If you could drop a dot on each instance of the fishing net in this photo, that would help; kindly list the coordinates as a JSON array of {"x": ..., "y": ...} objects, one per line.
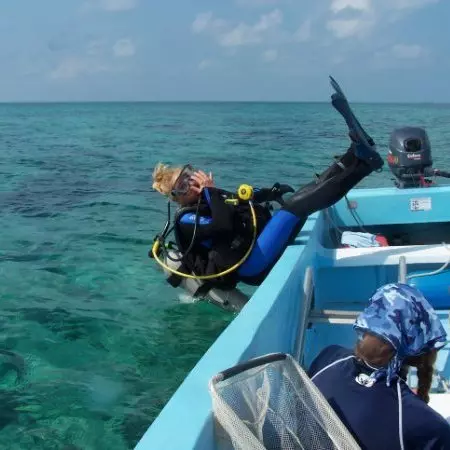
[{"x": 270, "y": 403}]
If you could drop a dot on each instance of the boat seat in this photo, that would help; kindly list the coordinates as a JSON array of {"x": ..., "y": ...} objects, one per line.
[
  {"x": 318, "y": 321},
  {"x": 381, "y": 256},
  {"x": 441, "y": 404},
  {"x": 435, "y": 288},
  {"x": 332, "y": 316}
]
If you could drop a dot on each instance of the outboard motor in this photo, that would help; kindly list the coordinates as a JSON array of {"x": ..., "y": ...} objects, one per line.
[{"x": 409, "y": 156}]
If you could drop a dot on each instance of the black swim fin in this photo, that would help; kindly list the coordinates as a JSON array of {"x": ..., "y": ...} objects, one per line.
[{"x": 365, "y": 147}]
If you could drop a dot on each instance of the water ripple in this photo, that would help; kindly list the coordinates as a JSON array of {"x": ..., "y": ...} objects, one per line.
[{"x": 104, "y": 340}]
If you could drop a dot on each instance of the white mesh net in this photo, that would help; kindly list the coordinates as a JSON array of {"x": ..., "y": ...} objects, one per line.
[{"x": 274, "y": 406}]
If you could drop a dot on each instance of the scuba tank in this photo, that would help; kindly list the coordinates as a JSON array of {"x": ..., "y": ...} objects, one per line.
[{"x": 230, "y": 300}]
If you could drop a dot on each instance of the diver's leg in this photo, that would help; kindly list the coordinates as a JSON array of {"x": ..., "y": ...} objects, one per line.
[
  {"x": 329, "y": 187},
  {"x": 345, "y": 160},
  {"x": 279, "y": 232}
]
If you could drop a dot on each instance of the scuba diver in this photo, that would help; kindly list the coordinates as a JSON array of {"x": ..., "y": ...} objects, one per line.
[{"x": 224, "y": 238}]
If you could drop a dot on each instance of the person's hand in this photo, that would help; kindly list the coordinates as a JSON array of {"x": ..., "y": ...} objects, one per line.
[
  {"x": 200, "y": 180},
  {"x": 279, "y": 190}
]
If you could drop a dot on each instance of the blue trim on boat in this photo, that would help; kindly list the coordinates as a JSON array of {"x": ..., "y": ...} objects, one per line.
[{"x": 256, "y": 330}]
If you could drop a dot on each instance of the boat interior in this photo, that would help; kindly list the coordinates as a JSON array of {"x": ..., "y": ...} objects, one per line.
[
  {"x": 322, "y": 327},
  {"x": 312, "y": 296},
  {"x": 338, "y": 287}
]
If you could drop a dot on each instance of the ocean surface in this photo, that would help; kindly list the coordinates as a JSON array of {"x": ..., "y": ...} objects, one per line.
[{"x": 92, "y": 340}]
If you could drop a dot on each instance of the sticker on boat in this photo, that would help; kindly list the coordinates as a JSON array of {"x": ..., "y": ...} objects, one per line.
[{"x": 420, "y": 204}]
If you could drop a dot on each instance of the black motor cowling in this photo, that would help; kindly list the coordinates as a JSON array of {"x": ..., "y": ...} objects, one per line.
[{"x": 409, "y": 155}]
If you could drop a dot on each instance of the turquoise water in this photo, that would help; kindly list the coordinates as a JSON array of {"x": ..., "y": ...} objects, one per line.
[{"x": 98, "y": 339}]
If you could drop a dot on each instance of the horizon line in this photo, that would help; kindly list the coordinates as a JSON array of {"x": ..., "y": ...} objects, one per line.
[{"x": 56, "y": 102}]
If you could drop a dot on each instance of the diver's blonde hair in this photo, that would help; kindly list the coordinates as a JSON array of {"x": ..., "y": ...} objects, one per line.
[{"x": 163, "y": 176}]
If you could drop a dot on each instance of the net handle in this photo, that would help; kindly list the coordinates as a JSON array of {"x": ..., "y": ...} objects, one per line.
[{"x": 251, "y": 364}]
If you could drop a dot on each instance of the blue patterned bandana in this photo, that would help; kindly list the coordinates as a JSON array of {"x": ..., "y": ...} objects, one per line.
[{"x": 401, "y": 315}]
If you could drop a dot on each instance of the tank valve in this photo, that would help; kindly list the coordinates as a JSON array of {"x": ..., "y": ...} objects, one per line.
[{"x": 245, "y": 192}]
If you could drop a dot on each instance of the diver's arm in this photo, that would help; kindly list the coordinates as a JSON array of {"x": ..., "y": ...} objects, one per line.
[
  {"x": 219, "y": 221},
  {"x": 186, "y": 225},
  {"x": 274, "y": 193},
  {"x": 221, "y": 213}
]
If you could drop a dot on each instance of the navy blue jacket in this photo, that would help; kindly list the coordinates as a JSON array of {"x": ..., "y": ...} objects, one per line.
[{"x": 371, "y": 414}]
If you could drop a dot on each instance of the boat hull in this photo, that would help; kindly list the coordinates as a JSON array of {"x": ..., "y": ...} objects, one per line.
[{"x": 287, "y": 314}]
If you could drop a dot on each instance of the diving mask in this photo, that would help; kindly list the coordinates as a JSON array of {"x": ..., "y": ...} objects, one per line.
[{"x": 183, "y": 182}]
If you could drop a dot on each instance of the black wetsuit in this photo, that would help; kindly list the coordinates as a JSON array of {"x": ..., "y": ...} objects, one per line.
[
  {"x": 223, "y": 234},
  {"x": 224, "y": 231}
]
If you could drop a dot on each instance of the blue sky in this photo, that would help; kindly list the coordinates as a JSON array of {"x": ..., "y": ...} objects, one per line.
[{"x": 78, "y": 50}]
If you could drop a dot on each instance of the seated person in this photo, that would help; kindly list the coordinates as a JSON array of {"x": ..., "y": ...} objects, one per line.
[
  {"x": 366, "y": 387},
  {"x": 220, "y": 234}
]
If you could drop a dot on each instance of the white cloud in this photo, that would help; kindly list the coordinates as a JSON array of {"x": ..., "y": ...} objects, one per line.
[
  {"x": 110, "y": 5},
  {"x": 204, "y": 64},
  {"x": 118, "y": 5},
  {"x": 411, "y": 4},
  {"x": 202, "y": 22},
  {"x": 241, "y": 34},
  {"x": 404, "y": 51},
  {"x": 96, "y": 59},
  {"x": 361, "y": 22},
  {"x": 96, "y": 47},
  {"x": 401, "y": 55},
  {"x": 367, "y": 14},
  {"x": 270, "y": 55},
  {"x": 345, "y": 28},
  {"x": 257, "y": 3},
  {"x": 303, "y": 34},
  {"x": 267, "y": 30},
  {"x": 73, "y": 67},
  {"x": 359, "y": 5},
  {"x": 124, "y": 48},
  {"x": 270, "y": 20}
]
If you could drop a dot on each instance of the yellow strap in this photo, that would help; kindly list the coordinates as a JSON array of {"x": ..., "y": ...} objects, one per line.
[{"x": 209, "y": 277}]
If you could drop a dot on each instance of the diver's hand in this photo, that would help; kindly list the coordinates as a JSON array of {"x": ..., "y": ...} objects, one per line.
[
  {"x": 284, "y": 189},
  {"x": 275, "y": 193},
  {"x": 200, "y": 181},
  {"x": 278, "y": 190}
]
